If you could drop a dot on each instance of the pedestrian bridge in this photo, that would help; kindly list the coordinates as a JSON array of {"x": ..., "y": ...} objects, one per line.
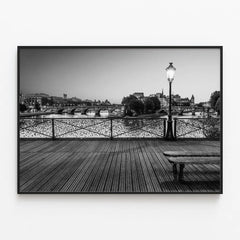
[{"x": 112, "y": 166}]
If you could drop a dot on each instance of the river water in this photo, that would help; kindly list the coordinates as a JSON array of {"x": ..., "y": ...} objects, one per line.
[{"x": 106, "y": 115}]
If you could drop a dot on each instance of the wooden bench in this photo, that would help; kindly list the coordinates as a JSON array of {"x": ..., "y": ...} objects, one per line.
[{"x": 179, "y": 159}]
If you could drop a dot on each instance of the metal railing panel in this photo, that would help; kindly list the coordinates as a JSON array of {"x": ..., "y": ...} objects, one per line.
[
  {"x": 197, "y": 128},
  {"x": 82, "y": 128},
  {"x": 138, "y": 128},
  {"x": 116, "y": 128},
  {"x": 35, "y": 128},
  {"x": 60, "y": 128}
]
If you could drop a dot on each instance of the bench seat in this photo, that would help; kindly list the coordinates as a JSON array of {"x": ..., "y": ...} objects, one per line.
[
  {"x": 194, "y": 160},
  {"x": 178, "y": 159},
  {"x": 191, "y": 153}
]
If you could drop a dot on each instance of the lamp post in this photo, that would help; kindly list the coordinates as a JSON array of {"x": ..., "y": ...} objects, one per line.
[{"x": 170, "y": 76}]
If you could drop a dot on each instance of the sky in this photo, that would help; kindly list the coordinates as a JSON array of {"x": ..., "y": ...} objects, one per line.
[{"x": 90, "y": 73}]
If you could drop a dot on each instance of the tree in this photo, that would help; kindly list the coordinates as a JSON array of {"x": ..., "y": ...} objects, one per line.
[
  {"x": 137, "y": 106},
  {"x": 132, "y": 105},
  {"x": 157, "y": 104},
  {"x": 51, "y": 101},
  {"x": 149, "y": 106},
  {"x": 218, "y": 106},
  {"x": 213, "y": 99},
  {"x": 46, "y": 101},
  {"x": 127, "y": 100},
  {"x": 37, "y": 106},
  {"x": 22, "y": 107}
]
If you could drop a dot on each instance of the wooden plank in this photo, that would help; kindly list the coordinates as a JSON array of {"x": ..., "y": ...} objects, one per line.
[
  {"x": 46, "y": 178},
  {"x": 71, "y": 184},
  {"x": 134, "y": 174},
  {"x": 167, "y": 169},
  {"x": 116, "y": 175},
  {"x": 160, "y": 168},
  {"x": 122, "y": 176},
  {"x": 107, "y": 169},
  {"x": 24, "y": 156},
  {"x": 104, "y": 163},
  {"x": 150, "y": 181},
  {"x": 157, "y": 179},
  {"x": 109, "y": 180},
  {"x": 63, "y": 172},
  {"x": 36, "y": 166},
  {"x": 30, "y": 145},
  {"x": 91, "y": 171},
  {"x": 70, "y": 171},
  {"x": 129, "y": 184},
  {"x": 112, "y": 166},
  {"x": 192, "y": 178},
  {"x": 37, "y": 175},
  {"x": 141, "y": 177},
  {"x": 33, "y": 162},
  {"x": 82, "y": 173}
]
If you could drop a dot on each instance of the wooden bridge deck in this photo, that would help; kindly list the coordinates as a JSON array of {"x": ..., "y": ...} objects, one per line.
[{"x": 111, "y": 166}]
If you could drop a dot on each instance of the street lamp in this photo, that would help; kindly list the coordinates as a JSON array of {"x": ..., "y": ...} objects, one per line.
[{"x": 170, "y": 76}]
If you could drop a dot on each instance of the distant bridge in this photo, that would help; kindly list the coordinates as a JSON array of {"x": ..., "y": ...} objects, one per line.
[
  {"x": 180, "y": 110},
  {"x": 84, "y": 109}
]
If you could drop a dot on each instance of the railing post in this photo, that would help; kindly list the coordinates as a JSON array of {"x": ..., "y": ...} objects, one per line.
[
  {"x": 175, "y": 128},
  {"x": 111, "y": 129},
  {"x": 164, "y": 127},
  {"x": 53, "y": 132}
]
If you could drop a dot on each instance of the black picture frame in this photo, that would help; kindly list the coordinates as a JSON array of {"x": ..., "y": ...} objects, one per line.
[{"x": 19, "y": 48}]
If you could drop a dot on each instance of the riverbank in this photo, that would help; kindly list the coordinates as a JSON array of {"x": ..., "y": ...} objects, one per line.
[{"x": 34, "y": 114}]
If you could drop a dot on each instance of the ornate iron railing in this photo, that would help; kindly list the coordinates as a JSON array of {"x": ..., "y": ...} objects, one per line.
[
  {"x": 197, "y": 128},
  {"x": 112, "y": 128},
  {"x": 138, "y": 128},
  {"x": 35, "y": 128},
  {"x": 61, "y": 128}
]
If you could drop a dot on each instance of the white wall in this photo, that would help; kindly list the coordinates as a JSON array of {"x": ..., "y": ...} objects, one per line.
[{"x": 106, "y": 22}]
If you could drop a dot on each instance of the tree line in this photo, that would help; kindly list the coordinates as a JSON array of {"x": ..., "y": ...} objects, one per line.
[
  {"x": 215, "y": 101},
  {"x": 135, "y": 106}
]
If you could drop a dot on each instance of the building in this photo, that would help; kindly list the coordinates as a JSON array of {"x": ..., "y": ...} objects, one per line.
[
  {"x": 75, "y": 99},
  {"x": 57, "y": 100},
  {"x": 32, "y": 99},
  {"x": 176, "y": 98},
  {"x": 21, "y": 98},
  {"x": 206, "y": 104},
  {"x": 163, "y": 101},
  {"x": 162, "y": 98},
  {"x": 64, "y": 96},
  {"x": 192, "y": 101},
  {"x": 181, "y": 102},
  {"x": 138, "y": 95},
  {"x": 107, "y": 103}
]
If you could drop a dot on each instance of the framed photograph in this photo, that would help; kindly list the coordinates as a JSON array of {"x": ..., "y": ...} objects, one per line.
[{"x": 120, "y": 119}]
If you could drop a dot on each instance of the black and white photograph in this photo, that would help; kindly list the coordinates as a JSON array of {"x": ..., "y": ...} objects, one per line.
[{"x": 120, "y": 119}]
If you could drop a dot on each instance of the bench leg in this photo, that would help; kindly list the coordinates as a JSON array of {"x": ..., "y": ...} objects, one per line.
[
  {"x": 180, "y": 177},
  {"x": 175, "y": 172}
]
